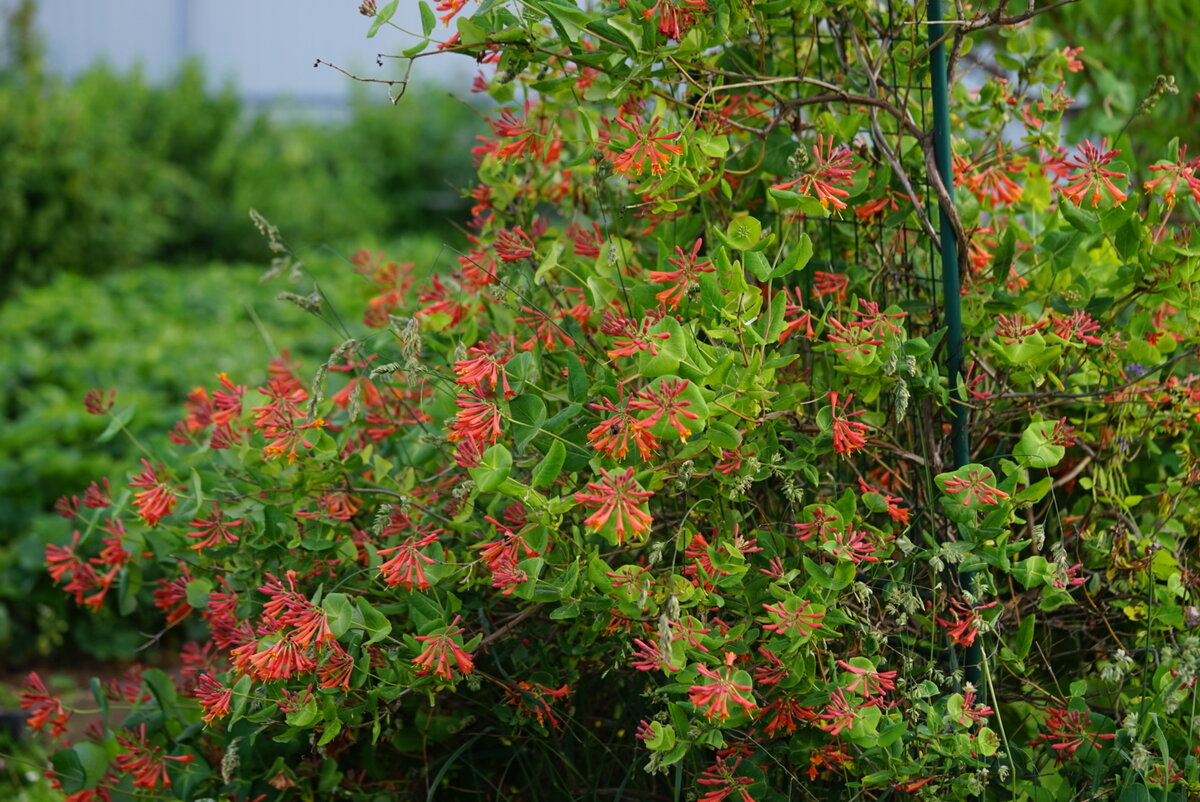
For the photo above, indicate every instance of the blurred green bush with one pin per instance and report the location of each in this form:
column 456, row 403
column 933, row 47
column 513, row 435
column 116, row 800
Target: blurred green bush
column 110, row 172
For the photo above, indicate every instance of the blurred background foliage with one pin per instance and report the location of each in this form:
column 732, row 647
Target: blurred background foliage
column 109, row 172
column 1127, row 46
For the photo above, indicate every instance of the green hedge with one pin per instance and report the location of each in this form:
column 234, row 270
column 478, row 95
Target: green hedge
column 111, row 172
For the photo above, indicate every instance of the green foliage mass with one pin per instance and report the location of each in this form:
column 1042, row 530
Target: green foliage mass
column 109, row 172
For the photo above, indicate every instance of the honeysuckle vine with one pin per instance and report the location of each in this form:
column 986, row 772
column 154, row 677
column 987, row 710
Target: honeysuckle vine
column 648, row 486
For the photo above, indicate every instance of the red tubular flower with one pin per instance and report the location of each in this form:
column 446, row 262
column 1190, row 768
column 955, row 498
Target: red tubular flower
column 96, row 499
column 785, row 713
column 278, row 419
column 1092, row 176
column 215, row 698
column 964, row 627
column 147, row 764
column 546, row 330
column 617, row 494
column 613, row 434
column 854, row 545
column 406, row 569
column 96, row 404
column 477, row 420
column 869, row 682
column 156, row 498
column 440, row 648
column 650, row 657
column 214, row 532
column 795, row 317
column 724, row 780
column 785, row 619
column 685, row 276
column 664, row 400
column 851, row 339
column 528, row 141
column 281, row 660
column 513, row 244
column 972, row 713
column 645, row 144
column 1080, row 324
column 630, row 337
column 716, row 696
column 1066, row 731
column 975, row 483
column 1181, row 170
column 535, row 699
column 484, row 371
column 832, row 169
column 335, row 671
column 171, row 597
column 848, row 435
column 43, row 708
column 825, row 283
column 839, row 715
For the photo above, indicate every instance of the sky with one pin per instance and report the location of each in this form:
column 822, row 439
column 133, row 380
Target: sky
column 267, row 47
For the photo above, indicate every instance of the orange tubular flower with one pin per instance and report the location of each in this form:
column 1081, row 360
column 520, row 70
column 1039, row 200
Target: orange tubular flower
column 647, row 144
column 848, row 435
column 1092, row 178
column 617, row 494
column 440, row 648
column 718, row 694
column 214, row 697
column 147, row 764
column 156, row 498
column 406, row 568
column 685, row 276
column 43, row 708
column 215, row 532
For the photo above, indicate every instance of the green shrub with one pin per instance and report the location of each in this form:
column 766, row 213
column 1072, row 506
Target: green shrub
column 109, row 172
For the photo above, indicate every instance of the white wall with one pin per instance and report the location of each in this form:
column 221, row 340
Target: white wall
column 266, row 46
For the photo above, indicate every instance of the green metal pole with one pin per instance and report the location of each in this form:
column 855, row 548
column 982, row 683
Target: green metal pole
column 951, row 300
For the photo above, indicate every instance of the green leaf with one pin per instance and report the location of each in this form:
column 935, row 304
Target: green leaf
column 1002, row 261
column 1083, row 220
column 723, row 435
column 1136, row 793
column 986, row 741
column 197, row 492
column 80, row 767
column 551, row 465
column 1024, row 638
column 117, row 423
column 743, row 234
column 793, row 200
column 564, row 611
column 428, row 20
column 528, row 414
column 493, row 469
column 339, row 613
column 101, row 699
column 758, row 265
column 197, row 593
column 797, row 258
column 1037, row 449
column 577, row 380
column 374, row 622
column 382, row 16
